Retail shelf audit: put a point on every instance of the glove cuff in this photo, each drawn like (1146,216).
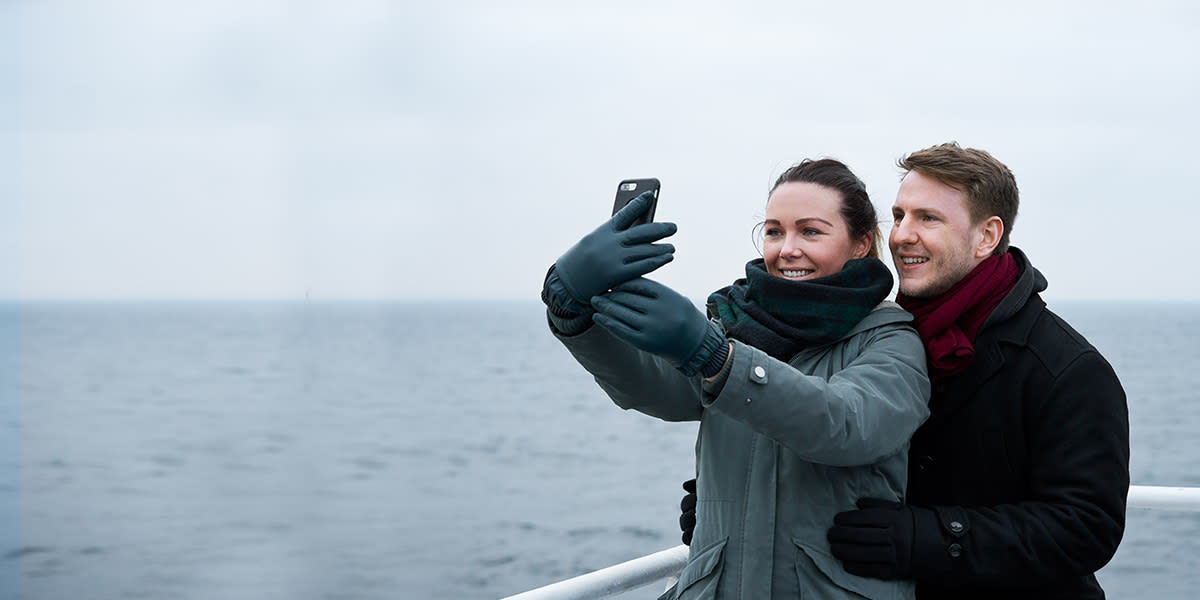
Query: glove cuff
(558,298)
(931,552)
(716,362)
(710,345)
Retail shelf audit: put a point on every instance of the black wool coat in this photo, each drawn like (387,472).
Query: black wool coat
(1024,462)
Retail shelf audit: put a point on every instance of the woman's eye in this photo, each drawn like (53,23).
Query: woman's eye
(772,233)
(809,231)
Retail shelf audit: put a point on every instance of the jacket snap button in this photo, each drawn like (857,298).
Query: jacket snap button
(956,527)
(747,401)
(760,372)
(955,550)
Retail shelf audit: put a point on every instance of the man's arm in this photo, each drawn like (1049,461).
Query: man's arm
(1069,525)
(1074,518)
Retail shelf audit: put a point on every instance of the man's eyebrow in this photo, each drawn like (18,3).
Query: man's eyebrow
(916,211)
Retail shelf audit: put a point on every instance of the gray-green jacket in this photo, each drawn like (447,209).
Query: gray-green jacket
(782,448)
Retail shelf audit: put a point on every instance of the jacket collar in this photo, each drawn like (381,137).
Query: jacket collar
(1030,283)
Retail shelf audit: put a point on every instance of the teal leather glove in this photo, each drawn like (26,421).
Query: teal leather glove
(655,318)
(612,254)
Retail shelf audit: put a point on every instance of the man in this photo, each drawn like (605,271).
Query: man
(1018,479)
(1017,482)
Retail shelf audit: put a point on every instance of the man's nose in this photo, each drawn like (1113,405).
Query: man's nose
(902,231)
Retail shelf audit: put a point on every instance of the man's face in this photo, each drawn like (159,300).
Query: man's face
(933,242)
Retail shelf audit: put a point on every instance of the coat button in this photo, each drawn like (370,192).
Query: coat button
(747,401)
(956,527)
(955,550)
(760,372)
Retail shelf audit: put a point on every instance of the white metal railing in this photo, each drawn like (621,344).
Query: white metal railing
(616,579)
(1153,497)
(666,565)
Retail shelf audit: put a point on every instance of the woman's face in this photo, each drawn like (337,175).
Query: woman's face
(805,236)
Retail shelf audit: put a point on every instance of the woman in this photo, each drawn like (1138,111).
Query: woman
(807,385)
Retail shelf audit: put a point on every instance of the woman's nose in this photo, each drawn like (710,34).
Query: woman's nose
(791,247)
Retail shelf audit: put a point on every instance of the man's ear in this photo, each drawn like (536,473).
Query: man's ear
(991,230)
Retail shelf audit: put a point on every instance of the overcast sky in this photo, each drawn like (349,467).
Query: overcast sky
(232,149)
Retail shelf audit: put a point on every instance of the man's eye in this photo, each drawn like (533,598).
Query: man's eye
(929,218)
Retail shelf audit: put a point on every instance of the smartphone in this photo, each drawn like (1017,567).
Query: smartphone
(632,188)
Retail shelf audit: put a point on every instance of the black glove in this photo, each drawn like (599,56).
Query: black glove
(687,520)
(876,540)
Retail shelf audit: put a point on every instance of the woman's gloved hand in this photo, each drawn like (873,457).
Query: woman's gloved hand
(655,318)
(612,254)
(687,511)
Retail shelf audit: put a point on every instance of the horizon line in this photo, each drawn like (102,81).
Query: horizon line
(219,300)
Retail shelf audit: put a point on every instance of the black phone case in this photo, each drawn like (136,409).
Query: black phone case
(639,187)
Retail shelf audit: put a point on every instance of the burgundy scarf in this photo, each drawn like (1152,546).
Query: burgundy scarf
(948,324)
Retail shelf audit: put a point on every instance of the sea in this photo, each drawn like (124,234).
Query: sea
(441,450)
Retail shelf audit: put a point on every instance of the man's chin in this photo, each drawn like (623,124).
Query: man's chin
(919,290)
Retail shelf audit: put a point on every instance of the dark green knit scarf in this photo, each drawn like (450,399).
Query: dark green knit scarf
(782,317)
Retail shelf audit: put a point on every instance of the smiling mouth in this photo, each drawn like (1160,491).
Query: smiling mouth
(914,261)
(792,274)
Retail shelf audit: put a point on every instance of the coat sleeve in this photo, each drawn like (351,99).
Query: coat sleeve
(1074,518)
(634,379)
(866,411)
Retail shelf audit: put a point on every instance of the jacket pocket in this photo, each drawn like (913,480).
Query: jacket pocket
(821,576)
(699,578)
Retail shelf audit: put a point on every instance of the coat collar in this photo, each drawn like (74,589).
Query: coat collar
(1030,283)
